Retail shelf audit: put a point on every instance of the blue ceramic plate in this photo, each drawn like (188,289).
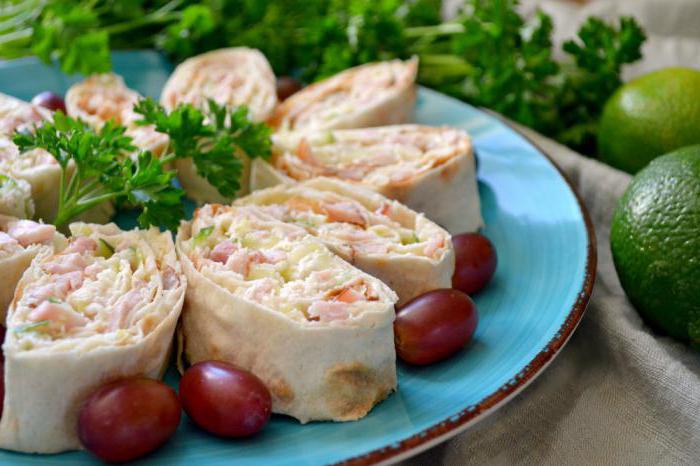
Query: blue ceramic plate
(545,274)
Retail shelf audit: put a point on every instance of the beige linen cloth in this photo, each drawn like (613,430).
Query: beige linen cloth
(618,394)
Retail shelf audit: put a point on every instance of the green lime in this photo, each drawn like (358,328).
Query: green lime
(655,241)
(650,116)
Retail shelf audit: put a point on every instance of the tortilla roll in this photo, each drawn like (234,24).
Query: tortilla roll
(20,241)
(266,296)
(375,94)
(232,77)
(104,308)
(15,197)
(429,169)
(104,97)
(382,237)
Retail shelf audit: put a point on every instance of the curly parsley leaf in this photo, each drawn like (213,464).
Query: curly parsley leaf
(150,186)
(216,140)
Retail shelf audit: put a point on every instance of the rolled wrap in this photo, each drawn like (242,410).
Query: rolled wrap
(382,237)
(105,308)
(375,94)
(231,77)
(268,297)
(429,169)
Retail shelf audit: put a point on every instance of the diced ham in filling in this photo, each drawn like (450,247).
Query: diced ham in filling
(80,245)
(7,242)
(92,287)
(223,251)
(65,263)
(377,157)
(58,314)
(27,232)
(277,264)
(57,289)
(346,212)
(125,306)
(170,279)
(327,311)
(349,225)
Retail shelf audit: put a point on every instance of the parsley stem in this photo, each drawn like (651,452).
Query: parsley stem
(161,15)
(437,30)
(85,204)
(168,158)
(89,189)
(15,9)
(9,38)
(72,184)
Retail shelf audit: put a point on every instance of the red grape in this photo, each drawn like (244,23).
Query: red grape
(224,399)
(434,325)
(475,262)
(124,420)
(48,99)
(2,340)
(2,386)
(286,86)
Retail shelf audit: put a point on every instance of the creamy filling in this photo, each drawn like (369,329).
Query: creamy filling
(347,93)
(15,197)
(378,156)
(278,265)
(17,235)
(98,286)
(350,226)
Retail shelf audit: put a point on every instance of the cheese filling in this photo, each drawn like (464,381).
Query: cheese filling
(16,235)
(100,288)
(349,225)
(15,197)
(383,156)
(279,266)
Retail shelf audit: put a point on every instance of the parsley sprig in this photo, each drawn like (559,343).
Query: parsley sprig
(103,166)
(215,139)
(96,167)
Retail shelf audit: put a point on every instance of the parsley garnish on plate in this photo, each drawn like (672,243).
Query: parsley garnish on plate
(96,167)
(215,139)
(100,166)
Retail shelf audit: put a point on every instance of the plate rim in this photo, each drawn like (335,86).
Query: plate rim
(472,414)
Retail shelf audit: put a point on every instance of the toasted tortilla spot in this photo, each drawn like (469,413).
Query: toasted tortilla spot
(449,171)
(354,390)
(281,391)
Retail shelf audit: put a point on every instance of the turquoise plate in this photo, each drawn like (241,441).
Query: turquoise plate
(546,266)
